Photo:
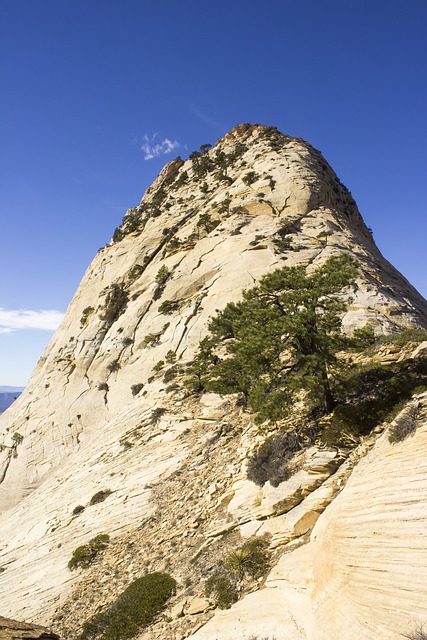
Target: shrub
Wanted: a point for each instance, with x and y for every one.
(372, 394)
(156, 414)
(79, 509)
(135, 272)
(134, 609)
(173, 245)
(17, 438)
(117, 235)
(170, 374)
(162, 276)
(85, 316)
(250, 178)
(270, 461)
(103, 386)
(224, 205)
(84, 556)
(159, 365)
(114, 365)
(168, 307)
(221, 589)
(250, 559)
(170, 357)
(403, 427)
(151, 339)
(100, 496)
(136, 388)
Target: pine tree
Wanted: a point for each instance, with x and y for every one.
(282, 338)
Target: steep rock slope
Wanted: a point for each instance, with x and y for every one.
(97, 417)
(362, 575)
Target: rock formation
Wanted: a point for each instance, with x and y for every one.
(105, 440)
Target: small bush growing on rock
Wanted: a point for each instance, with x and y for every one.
(170, 357)
(221, 589)
(271, 461)
(100, 496)
(113, 366)
(403, 427)
(159, 365)
(249, 178)
(156, 414)
(167, 307)
(84, 556)
(250, 559)
(135, 272)
(85, 316)
(162, 276)
(170, 374)
(151, 339)
(136, 388)
(134, 609)
(79, 509)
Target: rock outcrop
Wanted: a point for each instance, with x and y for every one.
(103, 440)
(14, 630)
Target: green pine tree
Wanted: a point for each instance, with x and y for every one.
(282, 338)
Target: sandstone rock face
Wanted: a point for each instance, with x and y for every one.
(362, 575)
(100, 414)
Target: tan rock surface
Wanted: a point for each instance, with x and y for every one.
(91, 420)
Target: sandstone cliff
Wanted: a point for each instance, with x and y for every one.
(99, 419)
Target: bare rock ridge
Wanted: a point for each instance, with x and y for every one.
(104, 440)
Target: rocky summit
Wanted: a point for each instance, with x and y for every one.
(114, 470)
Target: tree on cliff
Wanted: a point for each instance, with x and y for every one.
(282, 338)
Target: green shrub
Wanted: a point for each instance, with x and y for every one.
(134, 609)
(162, 276)
(135, 272)
(251, 559)
(114, 365)
(85, 316)
(173, 245)
(170, 357)
(403, 427)
(371, 394)
(221, 589)
(249, 178)
(168, 307)
(170, 374)
(151, 340)
(156, 414)
(224, 205)
(100, 496)
(118, 235)
(270, 461)
(77, 510)
(159, 366)
(136, 388)
(84, 556)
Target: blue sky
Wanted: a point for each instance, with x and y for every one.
(92, 88)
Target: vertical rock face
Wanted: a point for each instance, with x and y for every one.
(98, 416)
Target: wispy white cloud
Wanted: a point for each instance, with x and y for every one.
(153, 149)
(18, 319)
(207, 119)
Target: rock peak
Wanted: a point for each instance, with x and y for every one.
(107, 411)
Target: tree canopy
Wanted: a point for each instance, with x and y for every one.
(281, 339)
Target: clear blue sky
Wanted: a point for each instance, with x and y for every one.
(89, 87)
